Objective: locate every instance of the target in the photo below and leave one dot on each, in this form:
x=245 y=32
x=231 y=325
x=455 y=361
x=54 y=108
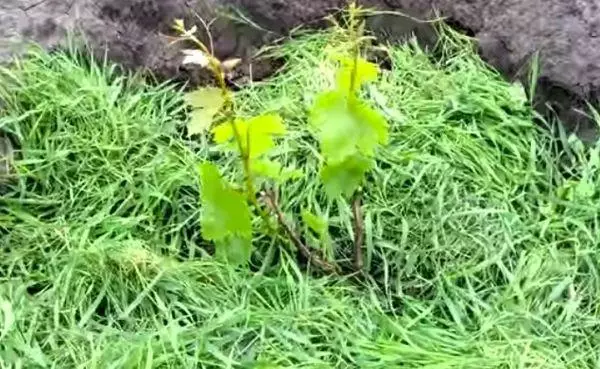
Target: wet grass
x=481 y=236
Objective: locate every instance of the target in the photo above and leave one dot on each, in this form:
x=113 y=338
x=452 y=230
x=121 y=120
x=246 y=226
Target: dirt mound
x=565 y=33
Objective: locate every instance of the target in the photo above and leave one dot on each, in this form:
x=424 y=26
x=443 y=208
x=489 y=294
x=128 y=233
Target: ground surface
x=482 y=239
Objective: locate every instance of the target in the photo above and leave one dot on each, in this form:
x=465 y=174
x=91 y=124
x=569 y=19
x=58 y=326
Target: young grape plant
x=349 y=132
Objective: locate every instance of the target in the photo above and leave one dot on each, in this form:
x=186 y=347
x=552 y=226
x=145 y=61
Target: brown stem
x=272 y=204
x=359 y=231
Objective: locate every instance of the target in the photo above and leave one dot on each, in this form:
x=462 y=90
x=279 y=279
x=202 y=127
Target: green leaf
x=206 y=103
x=346 y=126
x=257 y=132
x=316 y=223
x=226 y=217
x=365 y=72
x=343 y=179
x=270 y=124
x=200 y=121
x=373 y=122
x=266 y=168
x=272 y=170
x=233 y=250
x=319 y=225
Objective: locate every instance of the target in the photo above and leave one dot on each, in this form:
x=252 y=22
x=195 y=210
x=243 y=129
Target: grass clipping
x=482 y=245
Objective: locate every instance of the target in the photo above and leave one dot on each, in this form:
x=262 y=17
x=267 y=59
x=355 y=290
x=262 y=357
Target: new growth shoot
x=348 y=130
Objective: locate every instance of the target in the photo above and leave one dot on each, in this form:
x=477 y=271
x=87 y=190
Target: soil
x=565 y=34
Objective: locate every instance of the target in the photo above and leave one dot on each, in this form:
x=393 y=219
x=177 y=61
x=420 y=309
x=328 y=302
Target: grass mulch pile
x=481 y=236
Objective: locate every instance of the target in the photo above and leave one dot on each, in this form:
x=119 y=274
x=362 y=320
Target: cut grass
x=482 y=244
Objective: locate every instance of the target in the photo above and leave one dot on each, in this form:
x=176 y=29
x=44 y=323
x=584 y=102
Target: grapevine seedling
x=348 y=130
x=227 y=212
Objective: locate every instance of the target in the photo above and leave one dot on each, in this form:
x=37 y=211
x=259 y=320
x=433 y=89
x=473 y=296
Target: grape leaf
x=365 y=72
x=271 y=124
x=226 y=218
x=233 y=250
x=266 y=168
x=346 y=126
x=206 y=103
x=344 y=178
x=269 y=169
x=316 y=223
x=371 y=118
x=258 y=132
x=223 y=133
x=319 y=225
